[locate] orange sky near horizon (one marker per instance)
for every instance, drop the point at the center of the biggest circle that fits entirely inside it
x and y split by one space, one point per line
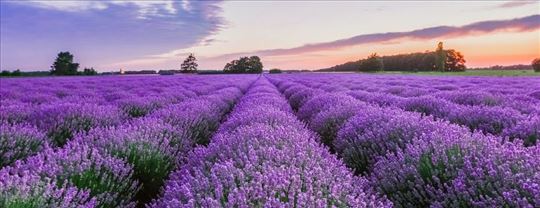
479 51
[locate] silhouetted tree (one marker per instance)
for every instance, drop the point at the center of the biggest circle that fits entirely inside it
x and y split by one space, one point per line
244 65
424 61
190 65
372 63
89 71
536 64
440 57
5 73
63 65
427 62
16 73
275 71
454 61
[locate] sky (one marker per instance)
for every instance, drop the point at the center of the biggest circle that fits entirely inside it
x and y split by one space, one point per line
137 35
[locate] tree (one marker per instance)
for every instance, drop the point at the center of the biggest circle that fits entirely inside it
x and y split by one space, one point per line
89 71
64 65
16 73
536 64
428 62
440 55
251 65
275 71
373 63
254 65
454 61
420 61
5 73
189 65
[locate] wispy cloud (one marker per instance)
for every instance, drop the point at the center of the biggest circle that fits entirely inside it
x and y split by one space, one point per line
517 3
107 31
145 9
523 24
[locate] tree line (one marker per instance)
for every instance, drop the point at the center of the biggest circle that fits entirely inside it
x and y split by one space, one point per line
63 65
438 60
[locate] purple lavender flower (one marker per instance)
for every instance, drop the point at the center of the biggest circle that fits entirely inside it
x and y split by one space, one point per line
27 189
522 103
328 122
535 94
200 117
63 121
282 86
109 180
374 132
492 120
447 170
527 130
380 99
19 141
293 90
321 102
224 99
263 165
428 106
259 114
268 100
153 147
471 98
298 99
37 97
16 112
140 106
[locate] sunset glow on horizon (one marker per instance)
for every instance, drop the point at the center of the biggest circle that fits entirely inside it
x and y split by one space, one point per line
135 35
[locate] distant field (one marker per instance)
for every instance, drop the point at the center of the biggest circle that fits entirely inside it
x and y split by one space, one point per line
473 73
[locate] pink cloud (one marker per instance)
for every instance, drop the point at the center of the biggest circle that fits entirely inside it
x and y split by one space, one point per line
517 3
528 23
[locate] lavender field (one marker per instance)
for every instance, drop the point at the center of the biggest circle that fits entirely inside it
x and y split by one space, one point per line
284 140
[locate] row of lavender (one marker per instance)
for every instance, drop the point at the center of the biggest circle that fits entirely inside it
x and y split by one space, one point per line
509 108
31 106
263 156
100 163
414 159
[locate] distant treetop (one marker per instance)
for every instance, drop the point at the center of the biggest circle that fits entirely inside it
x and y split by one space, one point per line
251 65
189 65
63 65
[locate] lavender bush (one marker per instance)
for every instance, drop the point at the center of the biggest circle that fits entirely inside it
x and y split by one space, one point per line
151 146
471 98
140 106
374 132
63 120
29 190
270 116
492 120
428 106
320 102
199 117
109 180
328 122
16 111
528 130
19 141
452 170
261 165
